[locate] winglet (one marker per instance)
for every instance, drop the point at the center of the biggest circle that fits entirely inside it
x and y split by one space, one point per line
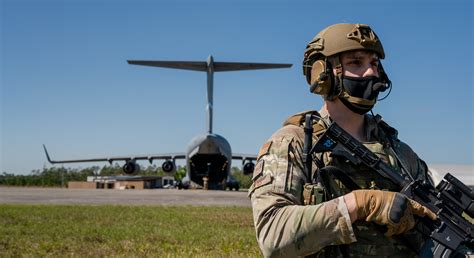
47 155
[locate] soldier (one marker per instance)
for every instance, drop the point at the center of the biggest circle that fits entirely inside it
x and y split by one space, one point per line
297 213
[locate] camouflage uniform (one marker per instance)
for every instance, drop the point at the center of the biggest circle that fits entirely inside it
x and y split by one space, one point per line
285 227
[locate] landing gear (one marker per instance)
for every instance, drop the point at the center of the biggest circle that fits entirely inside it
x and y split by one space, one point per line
180 185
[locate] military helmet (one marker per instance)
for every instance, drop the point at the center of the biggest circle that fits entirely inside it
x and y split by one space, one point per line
339 38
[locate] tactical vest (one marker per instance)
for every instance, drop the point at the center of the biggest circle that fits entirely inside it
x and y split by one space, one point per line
370 239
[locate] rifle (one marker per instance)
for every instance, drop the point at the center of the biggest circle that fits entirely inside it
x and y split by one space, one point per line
451 200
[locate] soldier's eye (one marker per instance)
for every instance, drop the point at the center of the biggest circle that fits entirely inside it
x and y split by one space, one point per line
354 62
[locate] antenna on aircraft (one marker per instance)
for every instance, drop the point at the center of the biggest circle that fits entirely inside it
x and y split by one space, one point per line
209 67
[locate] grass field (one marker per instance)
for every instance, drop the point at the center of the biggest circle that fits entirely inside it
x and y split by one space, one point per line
157 231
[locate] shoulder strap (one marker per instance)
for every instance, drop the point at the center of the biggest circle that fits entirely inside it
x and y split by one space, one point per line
298 119
391 134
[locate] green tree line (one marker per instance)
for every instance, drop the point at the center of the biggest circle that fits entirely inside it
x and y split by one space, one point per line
60 176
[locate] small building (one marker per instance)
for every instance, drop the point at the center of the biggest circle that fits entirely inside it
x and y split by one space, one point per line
81 185
121 182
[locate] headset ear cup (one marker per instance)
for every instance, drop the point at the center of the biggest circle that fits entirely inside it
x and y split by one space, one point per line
323 78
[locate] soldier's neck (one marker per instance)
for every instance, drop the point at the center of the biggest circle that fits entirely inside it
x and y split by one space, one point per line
352 122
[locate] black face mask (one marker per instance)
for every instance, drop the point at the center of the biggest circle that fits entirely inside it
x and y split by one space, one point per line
359 94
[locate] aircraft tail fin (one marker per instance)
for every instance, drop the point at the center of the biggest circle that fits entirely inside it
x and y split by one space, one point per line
209 67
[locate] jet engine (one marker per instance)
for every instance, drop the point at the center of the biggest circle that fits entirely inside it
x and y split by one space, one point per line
131 168
248 168
168 166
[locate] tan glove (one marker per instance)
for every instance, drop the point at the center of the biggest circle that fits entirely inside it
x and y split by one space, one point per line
389 208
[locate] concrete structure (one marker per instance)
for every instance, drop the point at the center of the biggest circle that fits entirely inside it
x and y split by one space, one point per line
160 197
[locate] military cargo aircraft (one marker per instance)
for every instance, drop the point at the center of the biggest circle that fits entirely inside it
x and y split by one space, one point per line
208 155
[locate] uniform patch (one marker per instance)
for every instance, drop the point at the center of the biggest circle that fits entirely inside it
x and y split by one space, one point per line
258 169
264 149
259 179
264 180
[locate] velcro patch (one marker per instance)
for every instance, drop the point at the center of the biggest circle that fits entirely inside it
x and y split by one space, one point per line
261 181
258 169
266 179
264 149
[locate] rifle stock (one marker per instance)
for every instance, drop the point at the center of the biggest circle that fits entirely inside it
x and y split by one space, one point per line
451 200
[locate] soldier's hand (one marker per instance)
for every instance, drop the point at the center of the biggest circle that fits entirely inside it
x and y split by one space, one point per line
389 208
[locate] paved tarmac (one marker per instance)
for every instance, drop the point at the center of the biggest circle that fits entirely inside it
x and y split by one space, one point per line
31 195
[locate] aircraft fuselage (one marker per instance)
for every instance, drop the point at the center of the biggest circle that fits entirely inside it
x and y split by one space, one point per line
208 155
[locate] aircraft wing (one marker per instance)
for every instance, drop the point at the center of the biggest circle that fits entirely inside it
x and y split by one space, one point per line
244 157
149 157
231 66
186 65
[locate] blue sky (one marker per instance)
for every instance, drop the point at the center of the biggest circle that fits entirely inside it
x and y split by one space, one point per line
65 81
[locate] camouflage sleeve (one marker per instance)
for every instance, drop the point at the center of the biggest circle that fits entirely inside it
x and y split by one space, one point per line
285 227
